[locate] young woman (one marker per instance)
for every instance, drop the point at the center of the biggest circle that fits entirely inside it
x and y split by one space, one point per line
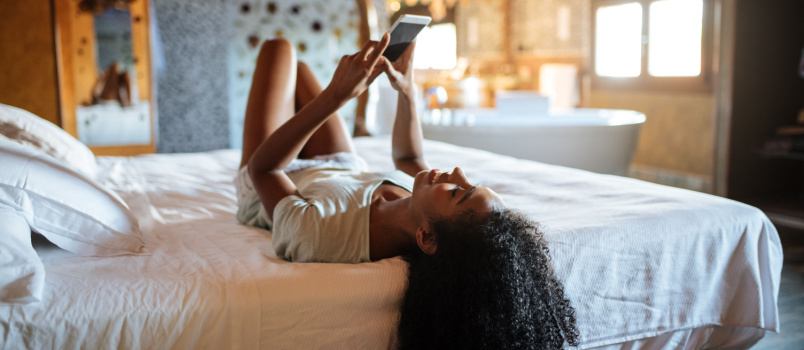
479 273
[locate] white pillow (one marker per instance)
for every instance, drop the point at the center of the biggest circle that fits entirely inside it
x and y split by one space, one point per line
69 209
26 128
22 275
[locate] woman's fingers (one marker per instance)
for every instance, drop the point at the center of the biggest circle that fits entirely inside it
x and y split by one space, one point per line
404 61
390 71
378 69
379 49
365 49
372 50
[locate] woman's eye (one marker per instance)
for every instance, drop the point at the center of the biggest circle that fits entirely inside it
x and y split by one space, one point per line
455 189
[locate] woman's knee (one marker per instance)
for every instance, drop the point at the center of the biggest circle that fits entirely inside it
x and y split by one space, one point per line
277 47
303 66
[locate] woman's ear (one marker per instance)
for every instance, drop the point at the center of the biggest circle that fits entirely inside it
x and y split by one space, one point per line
426 240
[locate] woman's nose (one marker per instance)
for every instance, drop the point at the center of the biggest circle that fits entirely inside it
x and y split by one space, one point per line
459 175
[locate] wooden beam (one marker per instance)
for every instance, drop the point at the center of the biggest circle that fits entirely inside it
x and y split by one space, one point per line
368 25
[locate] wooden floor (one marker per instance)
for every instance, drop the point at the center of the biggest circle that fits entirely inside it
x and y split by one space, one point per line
791 296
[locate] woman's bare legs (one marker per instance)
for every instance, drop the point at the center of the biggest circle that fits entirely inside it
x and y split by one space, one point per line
332 136
280 88
271 100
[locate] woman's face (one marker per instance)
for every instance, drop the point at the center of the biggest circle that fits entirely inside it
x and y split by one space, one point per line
443 194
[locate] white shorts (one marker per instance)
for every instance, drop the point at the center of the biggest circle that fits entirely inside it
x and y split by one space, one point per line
250 210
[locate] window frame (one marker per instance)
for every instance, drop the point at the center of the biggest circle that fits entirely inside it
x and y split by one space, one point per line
645 81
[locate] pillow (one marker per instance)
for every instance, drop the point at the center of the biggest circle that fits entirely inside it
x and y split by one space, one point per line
69 209
26 128
22 275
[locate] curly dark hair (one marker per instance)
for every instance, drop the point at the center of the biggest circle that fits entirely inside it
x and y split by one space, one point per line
489 285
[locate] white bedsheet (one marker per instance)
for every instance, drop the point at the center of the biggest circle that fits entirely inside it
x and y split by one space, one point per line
638 260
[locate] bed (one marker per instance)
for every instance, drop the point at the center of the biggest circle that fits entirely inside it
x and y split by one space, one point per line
646 266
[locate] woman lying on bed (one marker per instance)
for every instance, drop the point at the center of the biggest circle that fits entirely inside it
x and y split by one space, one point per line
479 274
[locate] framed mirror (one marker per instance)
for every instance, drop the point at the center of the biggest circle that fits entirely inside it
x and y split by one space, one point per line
105 74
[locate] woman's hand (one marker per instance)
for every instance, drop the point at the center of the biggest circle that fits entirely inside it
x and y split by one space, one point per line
356 72
400 72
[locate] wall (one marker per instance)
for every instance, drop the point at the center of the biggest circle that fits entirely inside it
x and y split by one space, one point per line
191 89
27 63
676 144
321 34
480 29
550 28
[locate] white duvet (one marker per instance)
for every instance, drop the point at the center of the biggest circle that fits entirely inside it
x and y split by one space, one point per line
637 260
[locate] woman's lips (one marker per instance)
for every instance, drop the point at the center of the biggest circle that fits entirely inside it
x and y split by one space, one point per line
432 176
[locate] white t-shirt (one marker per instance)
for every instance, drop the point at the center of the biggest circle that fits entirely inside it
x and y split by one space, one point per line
331 222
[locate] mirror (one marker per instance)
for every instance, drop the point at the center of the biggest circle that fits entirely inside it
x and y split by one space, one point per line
113 39
116 115
114 55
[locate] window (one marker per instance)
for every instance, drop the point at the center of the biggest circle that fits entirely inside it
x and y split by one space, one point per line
653 44
436 47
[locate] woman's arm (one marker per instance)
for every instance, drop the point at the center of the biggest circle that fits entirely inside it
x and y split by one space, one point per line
266 166
406 139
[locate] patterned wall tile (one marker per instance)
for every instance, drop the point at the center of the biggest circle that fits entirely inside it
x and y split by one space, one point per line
210 48
537 27
481 29
322 31
191 89
550 27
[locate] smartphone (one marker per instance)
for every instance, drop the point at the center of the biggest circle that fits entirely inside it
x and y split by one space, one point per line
403 32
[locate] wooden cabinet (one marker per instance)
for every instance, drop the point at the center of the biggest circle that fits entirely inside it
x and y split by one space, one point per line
761 91
80 43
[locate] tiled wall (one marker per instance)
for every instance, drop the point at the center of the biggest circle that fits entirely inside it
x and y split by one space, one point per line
541 28
209 50
322 31
550 27
191 89
480 28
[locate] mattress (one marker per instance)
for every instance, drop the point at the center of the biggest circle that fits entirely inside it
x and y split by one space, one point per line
645 266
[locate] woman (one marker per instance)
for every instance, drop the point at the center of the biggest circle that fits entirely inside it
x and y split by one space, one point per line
479 273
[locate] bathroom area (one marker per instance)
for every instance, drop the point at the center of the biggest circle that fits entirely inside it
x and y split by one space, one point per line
525 80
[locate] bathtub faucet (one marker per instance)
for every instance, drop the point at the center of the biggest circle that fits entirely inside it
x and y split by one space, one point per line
433 116
439 92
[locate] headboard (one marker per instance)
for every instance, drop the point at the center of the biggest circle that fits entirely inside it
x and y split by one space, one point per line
322 30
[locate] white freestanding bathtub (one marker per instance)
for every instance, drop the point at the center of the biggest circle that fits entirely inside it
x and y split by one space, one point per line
597 140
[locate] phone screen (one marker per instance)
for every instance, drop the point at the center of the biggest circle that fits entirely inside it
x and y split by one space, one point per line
401 37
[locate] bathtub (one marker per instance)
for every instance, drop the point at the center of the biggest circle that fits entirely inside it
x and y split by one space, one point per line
598 140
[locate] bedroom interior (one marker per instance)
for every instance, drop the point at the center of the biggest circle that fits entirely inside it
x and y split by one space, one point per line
188 67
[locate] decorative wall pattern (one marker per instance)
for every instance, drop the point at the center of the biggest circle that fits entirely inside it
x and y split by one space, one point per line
191 89
322 31
550 27
480 28
541 28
